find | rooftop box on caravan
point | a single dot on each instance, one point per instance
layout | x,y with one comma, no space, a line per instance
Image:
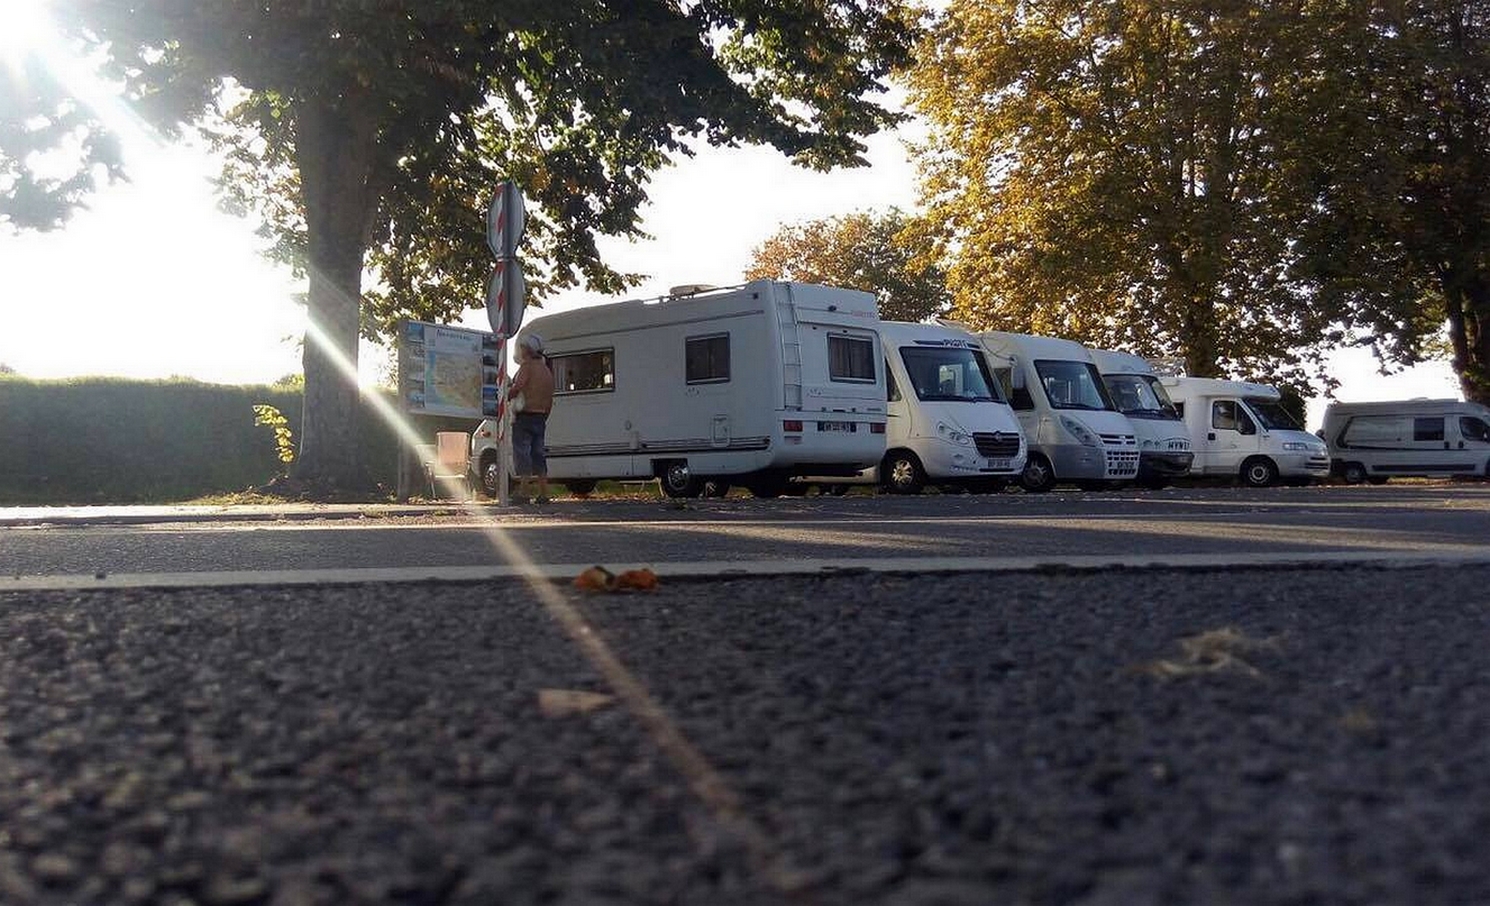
749,385
1164,451
948,421
1240,430
1073,430
1423,438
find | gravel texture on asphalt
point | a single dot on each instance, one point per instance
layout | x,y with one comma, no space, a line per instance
1310,736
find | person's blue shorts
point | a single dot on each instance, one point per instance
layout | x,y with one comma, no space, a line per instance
527,443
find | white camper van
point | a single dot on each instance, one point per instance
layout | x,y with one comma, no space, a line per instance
1238,429
1073,431
708,387
948,422
1424,438
1164,451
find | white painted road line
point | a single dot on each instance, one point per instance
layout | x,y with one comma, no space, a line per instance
730,568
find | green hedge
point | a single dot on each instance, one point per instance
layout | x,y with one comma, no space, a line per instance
107,440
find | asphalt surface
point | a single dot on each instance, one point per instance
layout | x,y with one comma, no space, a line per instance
1452,519
1312,736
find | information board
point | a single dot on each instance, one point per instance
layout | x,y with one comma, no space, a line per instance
449,371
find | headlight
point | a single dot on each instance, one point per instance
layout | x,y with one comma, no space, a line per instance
952,434
1079,431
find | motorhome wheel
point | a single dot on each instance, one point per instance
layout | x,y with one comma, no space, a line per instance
1259,472
903,473
1037,477
679,481
490,475
1354,473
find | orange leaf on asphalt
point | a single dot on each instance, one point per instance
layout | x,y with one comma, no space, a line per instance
596,578
637,579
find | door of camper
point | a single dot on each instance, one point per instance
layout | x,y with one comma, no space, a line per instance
1231,435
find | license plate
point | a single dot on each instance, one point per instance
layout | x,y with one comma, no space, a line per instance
836,426
998,464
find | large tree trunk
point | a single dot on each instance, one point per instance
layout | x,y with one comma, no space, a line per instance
1472,343
336,151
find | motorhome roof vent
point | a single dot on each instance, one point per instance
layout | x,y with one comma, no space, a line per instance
691,289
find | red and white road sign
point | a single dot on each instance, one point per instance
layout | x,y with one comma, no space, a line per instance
506,298
505,220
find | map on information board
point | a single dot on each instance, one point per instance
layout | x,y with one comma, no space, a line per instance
448,370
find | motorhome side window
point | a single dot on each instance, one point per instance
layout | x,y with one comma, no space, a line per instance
1474,429
851,359
1427,428
1227,415
892,389
706,359
584,372
1019,397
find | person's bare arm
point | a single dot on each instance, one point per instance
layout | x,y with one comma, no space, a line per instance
519,380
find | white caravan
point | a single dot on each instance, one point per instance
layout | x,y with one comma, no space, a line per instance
1164,450
1239,430
1073,431
1422,437
707,387
948,422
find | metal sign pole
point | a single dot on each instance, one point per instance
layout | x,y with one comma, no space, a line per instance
505,219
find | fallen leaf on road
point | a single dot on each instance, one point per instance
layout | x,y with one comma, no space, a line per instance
598,578
566,702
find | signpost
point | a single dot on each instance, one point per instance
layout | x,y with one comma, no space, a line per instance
506,298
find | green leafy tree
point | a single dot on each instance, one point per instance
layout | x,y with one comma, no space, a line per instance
371,135
1399,233
874,252
1109,170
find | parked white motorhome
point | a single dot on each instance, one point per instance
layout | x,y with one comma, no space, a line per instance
948,422
1072,429
1238,429
1422,437
1164,449
707,387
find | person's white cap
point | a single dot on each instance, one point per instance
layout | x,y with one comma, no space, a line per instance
533,342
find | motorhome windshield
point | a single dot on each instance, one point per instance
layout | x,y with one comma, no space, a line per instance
949,373
1273,416
1072,385
1140,396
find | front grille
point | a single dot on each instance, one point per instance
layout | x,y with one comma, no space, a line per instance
1118,440
1122,463
996,444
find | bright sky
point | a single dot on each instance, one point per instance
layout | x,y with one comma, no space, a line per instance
154,281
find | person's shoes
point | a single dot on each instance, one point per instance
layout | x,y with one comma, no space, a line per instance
541,498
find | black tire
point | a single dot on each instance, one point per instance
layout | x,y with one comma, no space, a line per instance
901,473
1259,472
678,480
1354,473
1037,477
580,487
489,476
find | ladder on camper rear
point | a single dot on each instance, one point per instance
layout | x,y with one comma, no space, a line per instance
791,346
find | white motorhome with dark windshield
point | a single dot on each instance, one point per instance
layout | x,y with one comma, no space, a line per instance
1421,438
1073,431
1239,429
708,387
948,422
1164,451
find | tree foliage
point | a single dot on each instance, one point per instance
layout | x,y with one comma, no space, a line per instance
1399,233
371,135
873,252
1110,170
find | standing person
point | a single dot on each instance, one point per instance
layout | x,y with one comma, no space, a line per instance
534,383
